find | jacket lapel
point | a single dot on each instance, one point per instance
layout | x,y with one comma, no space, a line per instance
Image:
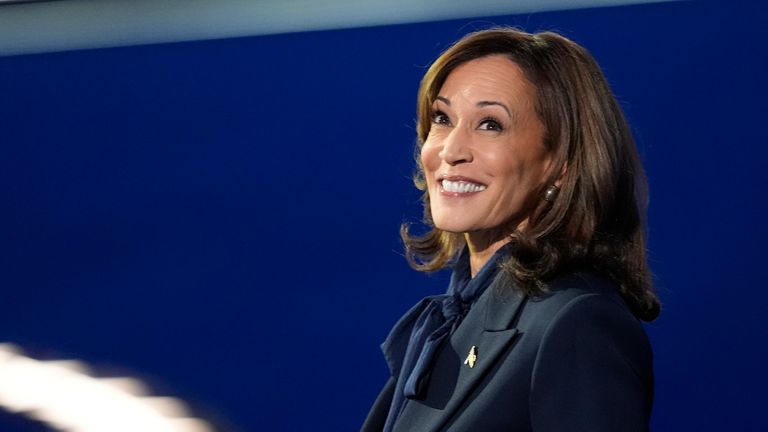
489,327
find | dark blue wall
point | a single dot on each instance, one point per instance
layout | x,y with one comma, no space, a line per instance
221,217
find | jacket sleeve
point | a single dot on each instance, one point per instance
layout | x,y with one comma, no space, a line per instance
593,370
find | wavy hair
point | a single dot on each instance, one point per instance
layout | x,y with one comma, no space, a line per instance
596,221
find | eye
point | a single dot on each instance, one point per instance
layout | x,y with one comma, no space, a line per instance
491,124
440,118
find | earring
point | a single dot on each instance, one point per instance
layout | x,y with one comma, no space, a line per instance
551,193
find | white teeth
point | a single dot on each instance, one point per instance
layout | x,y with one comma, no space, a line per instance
462,186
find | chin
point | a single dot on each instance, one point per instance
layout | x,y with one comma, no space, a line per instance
451,225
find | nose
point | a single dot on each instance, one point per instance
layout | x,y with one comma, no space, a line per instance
457,148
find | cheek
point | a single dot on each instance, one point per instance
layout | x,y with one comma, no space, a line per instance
430,159
520,176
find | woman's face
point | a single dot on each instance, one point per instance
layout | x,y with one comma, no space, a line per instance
484,156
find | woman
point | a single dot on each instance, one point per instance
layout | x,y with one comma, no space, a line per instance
535,197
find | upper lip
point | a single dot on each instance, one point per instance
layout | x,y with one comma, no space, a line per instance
457,178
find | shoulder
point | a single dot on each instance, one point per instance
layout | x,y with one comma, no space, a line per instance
587,309
582,297
580,314
594,362
567,288
587,314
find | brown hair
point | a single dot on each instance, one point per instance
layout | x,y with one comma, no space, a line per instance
596,222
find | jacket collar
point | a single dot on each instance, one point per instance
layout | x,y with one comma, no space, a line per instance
503,303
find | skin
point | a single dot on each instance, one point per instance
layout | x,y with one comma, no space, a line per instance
485,132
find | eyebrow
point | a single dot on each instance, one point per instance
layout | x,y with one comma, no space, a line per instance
492,103
480,104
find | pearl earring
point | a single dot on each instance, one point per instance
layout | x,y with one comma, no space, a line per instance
551,193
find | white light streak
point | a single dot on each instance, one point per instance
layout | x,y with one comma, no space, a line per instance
82,24
62,394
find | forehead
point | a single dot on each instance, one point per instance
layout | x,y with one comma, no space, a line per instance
489,78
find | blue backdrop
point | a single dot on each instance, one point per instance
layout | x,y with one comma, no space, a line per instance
221,217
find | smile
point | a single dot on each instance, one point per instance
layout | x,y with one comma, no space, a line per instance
461,186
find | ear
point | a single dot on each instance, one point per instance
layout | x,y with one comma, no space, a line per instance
558,181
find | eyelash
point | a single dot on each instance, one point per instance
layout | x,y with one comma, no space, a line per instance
440,118
497,127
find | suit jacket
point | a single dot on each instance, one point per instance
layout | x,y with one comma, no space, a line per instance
573,360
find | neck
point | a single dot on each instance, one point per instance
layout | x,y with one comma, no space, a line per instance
481,249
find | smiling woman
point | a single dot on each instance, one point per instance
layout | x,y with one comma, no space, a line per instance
535,197
482,164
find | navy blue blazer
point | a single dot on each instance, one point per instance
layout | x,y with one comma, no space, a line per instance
573,360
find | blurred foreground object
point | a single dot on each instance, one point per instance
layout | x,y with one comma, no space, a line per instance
64,395
33,27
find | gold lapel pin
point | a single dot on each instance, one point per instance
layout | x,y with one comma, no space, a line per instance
472,357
